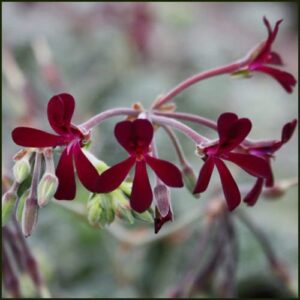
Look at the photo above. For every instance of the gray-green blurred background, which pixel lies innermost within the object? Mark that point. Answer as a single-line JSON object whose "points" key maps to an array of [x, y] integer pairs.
{"points": [[103, 66]]}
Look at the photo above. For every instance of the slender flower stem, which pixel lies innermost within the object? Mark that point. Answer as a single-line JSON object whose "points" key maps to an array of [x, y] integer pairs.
{"points": [[10, 278], [30, 262], [49, 161], [188, 117], [96, 120], [177, 146], [36, 175], [227, 69], [196, 137]]}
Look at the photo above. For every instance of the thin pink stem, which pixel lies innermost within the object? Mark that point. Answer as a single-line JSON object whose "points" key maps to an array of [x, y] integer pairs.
{"points": [[176, 145], [227, 69], [96, 120], [197, 138], [189, 117]]}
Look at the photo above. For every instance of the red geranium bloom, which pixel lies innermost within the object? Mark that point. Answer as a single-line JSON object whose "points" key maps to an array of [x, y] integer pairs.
{"points": [[60, 111], [136, 137], [265, 56], [232, 131], [266, 149]]}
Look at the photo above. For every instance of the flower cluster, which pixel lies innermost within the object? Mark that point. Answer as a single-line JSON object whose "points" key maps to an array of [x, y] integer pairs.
{"points": [[137, 136]]}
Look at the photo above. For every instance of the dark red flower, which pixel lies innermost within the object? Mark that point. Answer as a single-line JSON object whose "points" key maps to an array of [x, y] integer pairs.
{"points": [[232, 131], [60, 111], [265, 150], [136, 137], [159, 220], [265, 57]]}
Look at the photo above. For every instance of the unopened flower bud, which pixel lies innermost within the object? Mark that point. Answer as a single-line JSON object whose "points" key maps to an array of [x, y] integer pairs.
{"points": [[146, 216], [162, 197], [190, 179], [21, 204], [121, 206], [94, 213], [30, 215], [126, 187], [8, 202], [21, 169], [47, 188], [108, 209]]}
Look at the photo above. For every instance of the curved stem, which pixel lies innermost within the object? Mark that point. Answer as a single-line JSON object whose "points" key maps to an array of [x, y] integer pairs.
{"points": [[96, 120], [197, 138], [230, 68], [189, 117]]}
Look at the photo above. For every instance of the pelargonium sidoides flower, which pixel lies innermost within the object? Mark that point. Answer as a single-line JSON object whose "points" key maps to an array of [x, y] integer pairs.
{"points": [[232, 131], [265, 150], [60, 111], [136, 137], [264, 56]]}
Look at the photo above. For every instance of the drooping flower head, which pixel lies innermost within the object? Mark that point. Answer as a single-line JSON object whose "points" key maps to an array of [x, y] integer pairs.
{"points": [[232, 131], [266, 150], [264, 57], [135, 137], [60, 111]]}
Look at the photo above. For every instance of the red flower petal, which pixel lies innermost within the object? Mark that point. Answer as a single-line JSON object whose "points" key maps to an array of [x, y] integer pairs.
{"points": [[235, 134], [159, 220], [225, 121], [274, 59], [114, 176], [264, 54], [271, 33], [166, 171], [133, 135], [31, 137], [288, 130], [87, 173], [230, 188], [286, 80], [254, 193], [60, 111], [66, 177], [254, 165], [141, 195], [204, 176]]}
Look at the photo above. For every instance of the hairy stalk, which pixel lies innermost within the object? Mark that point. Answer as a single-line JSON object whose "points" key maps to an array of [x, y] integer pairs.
{"points": [[188, 117], [96, 120], [182, 159], [227, 69], [196, 137]]}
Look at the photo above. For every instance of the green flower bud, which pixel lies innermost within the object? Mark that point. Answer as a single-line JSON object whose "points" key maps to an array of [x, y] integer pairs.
{"points": [[146, 216], [189, 179], [20, 206], [21, 169], [121, 206], [126, 187], [29, 216], [108, 209], [8, 202], [47, 188], [94, 213]]}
